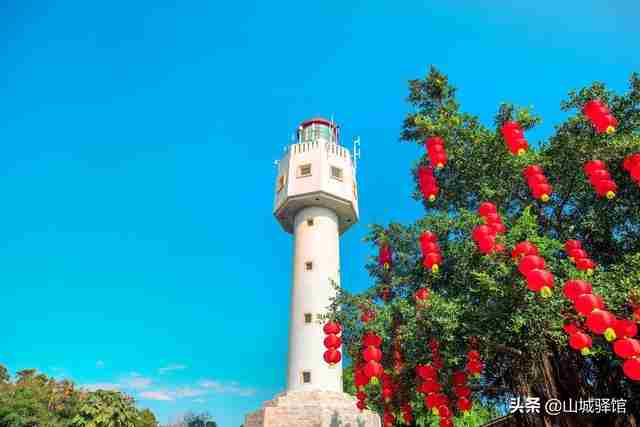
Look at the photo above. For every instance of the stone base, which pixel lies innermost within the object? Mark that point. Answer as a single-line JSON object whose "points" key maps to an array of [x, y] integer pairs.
{"points": [[311, 409]]}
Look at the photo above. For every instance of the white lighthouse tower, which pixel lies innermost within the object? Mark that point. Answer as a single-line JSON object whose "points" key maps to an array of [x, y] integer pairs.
{"points": [[316, 200]]}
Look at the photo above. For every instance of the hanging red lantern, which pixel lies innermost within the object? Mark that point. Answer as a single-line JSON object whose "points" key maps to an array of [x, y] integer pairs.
{"points": [[372, 353], [407, 414], [574, 288], [537, 182], [632, 165], [585, 264], [427, 182], [462, 391], [444, 411], [586, 303], [581, 342], [626, 348], [464, 404], [432, 261], [570, 328], [600, 117], [388, 419], [625, 328], [332, 328], [487, 208], [429, 386], [540, 281], [523, 249], [486, 244], [459, 379], [436, 150], [385, 256], [601, 322], [600, 180], [446, 422], [514, 138], [530, 262], [332, 356], [373, 369], [371, 339], [481, 231], [432, 257], [332, 341], [575, 254], [427, 372], [631, 369], [421, 296], [572, 244], [387, 394]]}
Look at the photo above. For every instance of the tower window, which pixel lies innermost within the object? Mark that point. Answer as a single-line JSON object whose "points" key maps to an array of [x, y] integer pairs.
{"points": [[310, 222], [306, 377], [336, 173], [304, 170], [308, 265], [308, 318]]}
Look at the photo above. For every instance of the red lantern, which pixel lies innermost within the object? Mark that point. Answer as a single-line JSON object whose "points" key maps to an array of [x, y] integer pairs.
{"points": [[481, 231], [387, 394], [585, 264], [596, 171], [332, 341], [427, 372], [407, 414], [384, 256], [361, 405], [332, 328], [574, 288], [625, 328], [523, 249], [600, 117], [332, 356], [586, 303], [572, 244], [462, 391], [530, 262], [486, 244], [581, 342], [421, 295], [626, 348], [371, 339], [601, 322], [428, 387], [427, 182], [361, 395], [372, 353], [437, 153], [444, 411], [571, 328], [540, 281], [432, 261], [631, 369], [487, 208], [514, 138], [373, 369], [464, 404], [446, 422], [459, 379], [632, 165], [537, 182]]}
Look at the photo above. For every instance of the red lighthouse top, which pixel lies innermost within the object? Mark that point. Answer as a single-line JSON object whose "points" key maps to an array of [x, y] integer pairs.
{"points": [[318, 128]]}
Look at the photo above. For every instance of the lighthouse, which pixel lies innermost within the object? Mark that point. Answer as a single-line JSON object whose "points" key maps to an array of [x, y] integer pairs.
{"points": [[316, 201]]}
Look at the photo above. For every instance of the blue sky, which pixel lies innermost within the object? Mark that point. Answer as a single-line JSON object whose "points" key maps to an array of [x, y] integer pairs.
{"points": [[127, 257]]}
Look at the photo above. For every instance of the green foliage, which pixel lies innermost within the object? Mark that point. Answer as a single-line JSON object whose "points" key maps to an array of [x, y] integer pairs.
{"points": [[519, 333], [37, 400]]}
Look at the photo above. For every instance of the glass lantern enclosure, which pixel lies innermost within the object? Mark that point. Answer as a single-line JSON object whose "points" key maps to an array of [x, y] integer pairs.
{"points": [[318, 130]]}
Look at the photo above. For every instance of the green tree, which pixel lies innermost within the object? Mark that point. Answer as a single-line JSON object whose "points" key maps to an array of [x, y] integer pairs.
{"points": [[483, 298], [146, 419], [106, 409]]}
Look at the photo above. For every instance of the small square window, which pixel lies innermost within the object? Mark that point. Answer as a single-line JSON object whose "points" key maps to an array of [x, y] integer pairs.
{"points": [[310, 222], [308, 265], [336, 173], [308, 318], [306, 377], [305, 170]]}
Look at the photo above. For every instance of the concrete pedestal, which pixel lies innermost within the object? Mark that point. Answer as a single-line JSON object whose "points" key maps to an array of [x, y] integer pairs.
{"points": [[311, 409]]}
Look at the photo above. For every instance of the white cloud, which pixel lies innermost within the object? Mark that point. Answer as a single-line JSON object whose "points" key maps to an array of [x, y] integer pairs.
{"points": [[136, 381], [199, 400], [189, 392], [229, 388], [102, 386], [171, 367], [99, 364], [156, 395]]}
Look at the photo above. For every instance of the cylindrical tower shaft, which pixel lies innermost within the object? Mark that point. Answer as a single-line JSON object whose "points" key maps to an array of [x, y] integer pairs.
{"points": [[316, 262]]}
